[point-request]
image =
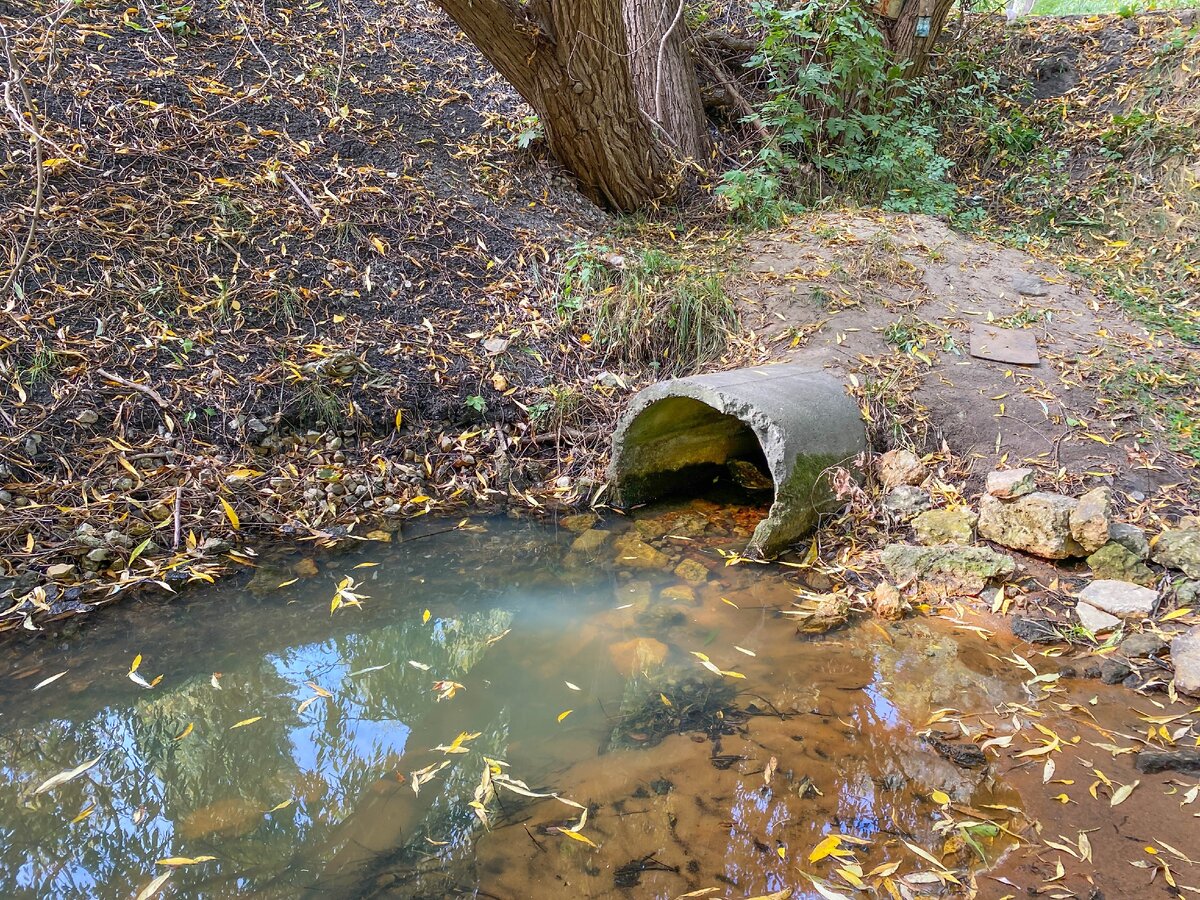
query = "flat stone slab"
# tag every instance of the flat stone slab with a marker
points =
(1004, 345)
(1120, 598)
(1095, 620)
(1185, 655)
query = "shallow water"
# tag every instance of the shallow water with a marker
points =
(282, 740)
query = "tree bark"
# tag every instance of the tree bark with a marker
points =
(569, 59)
(664, 74)
(906, 47)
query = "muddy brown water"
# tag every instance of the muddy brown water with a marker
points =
(284, 741)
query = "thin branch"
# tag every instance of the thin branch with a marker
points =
(134, 386)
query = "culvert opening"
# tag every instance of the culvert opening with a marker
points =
(679, 446)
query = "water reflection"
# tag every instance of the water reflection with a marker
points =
(314, 796)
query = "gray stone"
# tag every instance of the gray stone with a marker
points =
(798, 417)
(1037, 523)
(1187, 593)
(1030, 285)
(964, 569)
(1091, 517)
(1131, 538)
(945, 526)
(1120, 598)
(906, 501)
(900, 466)
(59, 571)
(1114, 671)
(1185, 655)
(1142, 646)
(88, 417)
(1095, 620)
(1115, 562)
(1179, 548)
(1010, 484)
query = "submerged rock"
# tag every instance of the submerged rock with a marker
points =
(1035, 631)
(1091, 517)
(638, 656)
(1120, 598)
(1037, 523)
(692, 572)
(945, 526)
(1115, 562)
(580, 522)
(1185, 654)
(964, 569)
(897, 467)
(590, 542)
(637, 554)
(1179, 548)
(1011, 483)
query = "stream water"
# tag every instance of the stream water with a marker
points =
(279, 752)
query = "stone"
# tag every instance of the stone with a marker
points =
(87, 417)
(963, 569)
(1179, 548)
(1095, 620)
(905, 502)
(98, 555)
(633, 593)
(1120, 598)
(1142, 646)
(681, 593)
(887, 602)
(1131, 538)
(637, 656)
(1035, 631)
(1030, 285)
(590, 541)
(1037, 523)
(1114, 671)
(1010, 484)
(945, 526)
(1115, 562)
(580, 522)
(897, 467)
(60, 571)
(634, 553)
(1091, 518)
(692, 572)
(306, 568)
(1185, 655)
(1187, 593)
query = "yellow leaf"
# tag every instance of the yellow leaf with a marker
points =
(245, 722)
(576, 836)
(230, 514)
(186, 731)
(84, 813)
(831, 846)
(664, 699)
(184, 860)
(137, 661)
(1176, 613)
(399, 418)
(425, 617)
(941, 798)
(562, 715)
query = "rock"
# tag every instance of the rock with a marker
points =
(306, 568)
(580, 522)
(87, 417)
(1035, 631)
(905, 502)
(60, 571)
(256, 427)
(1037, 523)
(1091, 518)
(1115, 562)
(1185, 654)
(1114, 671)
(1095, 620)
(633, 593)
(897, 467)
(887, 602)
(1142, 646)
(681, 593)
(1011, 483)
(1187, 593)
(214, 545)
(692, 572)
(1030, 285)
(1131, 538)
(590, 542)
(633, 553)
(1178, 548)
(1150, 762)
(945, 526)
(637, 656)
(98, 555)
(1120, 598)
(962, 569)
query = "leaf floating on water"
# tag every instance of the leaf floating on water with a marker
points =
(1122, 793)
(305, 704)
(941, 798)
(456, 746)
(366, 565)
(245, 722)
(152, 888)
(425, 617)
(830, 846)
(573, 687)
(346, 595)
(418, 665)
(278, 806)
(63, 777)
(50, 680)
(84, 813)
(215, 681)
(384, 666)
(744, 650)
(287, 583)
(576, 836)
(769, 770)
(176, 861)
(447, 689)
(566, 712)
(137, 661)
(730, 602)
(421, 776)
(186, 731)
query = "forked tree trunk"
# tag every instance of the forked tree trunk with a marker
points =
(570, 60)
(901, 33)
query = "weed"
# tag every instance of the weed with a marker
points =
(476, 403)
(45, 363)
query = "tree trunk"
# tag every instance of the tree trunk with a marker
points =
(569, 59)
(902, 38)
(664, 75)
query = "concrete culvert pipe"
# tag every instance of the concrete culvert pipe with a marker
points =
(676, 434)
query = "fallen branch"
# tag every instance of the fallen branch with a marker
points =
(134, 386)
